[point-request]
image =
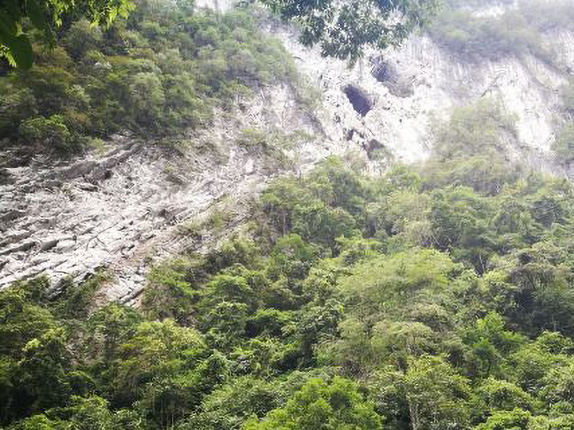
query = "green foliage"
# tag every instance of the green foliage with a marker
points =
(388, 280)
(343, 31)
(83, 37)
(49, 132)
(252, 138)
(47, 17)
(436, 395)
(23, 318)
(500, 395)
(74, 300)
(515, 419)
(154, 349)
(470, 145)
(319, 405)
(169, 294)
(90, 413)
(517, 32)
(231, 404)
(473, 130)
(159, 73)
(429, 298)
(489, 344)
(42, 370)
(321, 209)
(564, 144)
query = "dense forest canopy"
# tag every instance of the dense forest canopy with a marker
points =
(342, 29)
(436, 296)
(18, 17)
(159, 73)
(433, 297)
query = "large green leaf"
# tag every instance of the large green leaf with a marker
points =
(37, 13)
(21, 50)
(8, 28)
(11, 9)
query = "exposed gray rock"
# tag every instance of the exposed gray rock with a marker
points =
(439, 81)
(386, 73)
(122, 210)
(125, 209)
(362, 102)
(382, 70)
(372, 147)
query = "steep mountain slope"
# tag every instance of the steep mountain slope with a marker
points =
(431, 81)
(125, 206)
(209, 266)
(411, 85)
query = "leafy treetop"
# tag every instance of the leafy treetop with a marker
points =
(344, 29)
(47, 16)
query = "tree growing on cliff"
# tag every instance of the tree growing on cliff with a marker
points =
(344, 29)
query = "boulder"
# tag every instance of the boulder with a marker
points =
(362, 102)
(386, 73)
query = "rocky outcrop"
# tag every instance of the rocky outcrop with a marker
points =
(373, 147)
(435, 82)
(383, 71)
(123, 210)
(386, 73)
(359, 99)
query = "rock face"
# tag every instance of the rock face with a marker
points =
(359, 99)
(217, 5)
(383, 71)
(124, 209)
(432, 82)
(386, 73)
(372, 147)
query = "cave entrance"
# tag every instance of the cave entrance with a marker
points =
(361, 101)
